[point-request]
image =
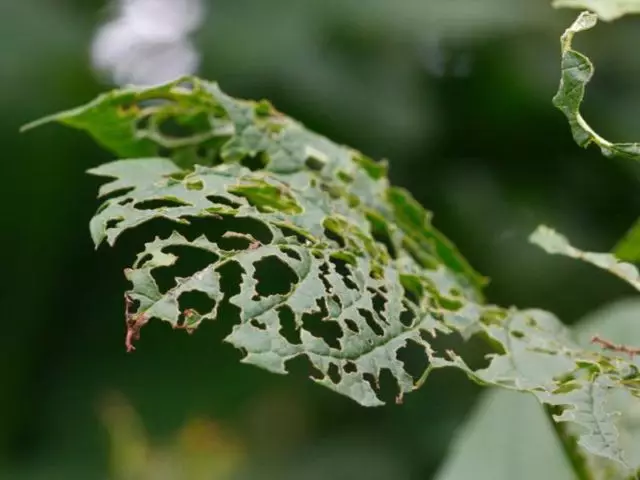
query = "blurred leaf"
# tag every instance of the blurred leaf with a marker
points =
(605, 9)
(554, 243)
(507, 436)
(577, 71)
(618, 323)
(628, 248)
(201, 450)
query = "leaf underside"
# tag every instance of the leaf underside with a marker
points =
(366, 273)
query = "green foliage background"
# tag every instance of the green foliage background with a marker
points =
(485, 151)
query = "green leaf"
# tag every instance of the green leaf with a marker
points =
(628, 248)
(554, 243)
(605, 9)
(362, 258)
(507, 436)
(577, 71)
(331, 263)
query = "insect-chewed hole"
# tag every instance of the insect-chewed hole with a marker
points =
(230, 280)
(274, 276)
(352, 325)
(218, 229)
(342, 268)
(159, 203)
(258, 324)
(301, 366)
(189, 261)
(255, 162)
(330, 234)
(381, 235)
(112, 223)
(407, 317)
(290, 232)
(373, 325)
(225, 201)
(516, 334)
(196, 300)
(172, 127)
(388, 386)
(334, 373)
(328, 330)
(121, 192)
(288, 327)
(314, 163)
(291, 253)
(414, 358)
(350, 367)
(379, 301)
(371, 380)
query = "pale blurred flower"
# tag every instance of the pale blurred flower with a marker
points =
(148, 41)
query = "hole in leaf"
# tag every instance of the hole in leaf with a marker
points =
(288, 328)
(301, 366)
(371, 380)
(291, 253)
(253, 163)
(159, 203)
(196, 300)
(220, 200)
(334, 373)
(373, 325)
(173, 127)
(219, 229)
(292, 232)
(407, 318)
(352, 325)
(381, 234)
(144, 259)
(388, 386)
(342, 268)
(274, 276)
(517, 334)
(115, 194)
(230, 280)
(258, 324)
(379, 302)
(330, 234)
(314, 163)
(350, 367)
(112, 223)
(189, 261)
(328, 330)
(414, 358)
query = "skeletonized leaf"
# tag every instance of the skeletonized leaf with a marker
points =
(332, 264)
(577, 71)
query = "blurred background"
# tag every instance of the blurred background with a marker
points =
(455, 93)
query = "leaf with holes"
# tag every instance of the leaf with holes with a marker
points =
(311, 253)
